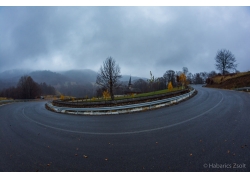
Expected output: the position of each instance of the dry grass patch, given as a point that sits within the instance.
(221, 79)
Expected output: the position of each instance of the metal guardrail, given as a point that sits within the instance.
(243, 89)
(64, 103)
(125, 107)
(6, 101)
(16, 100)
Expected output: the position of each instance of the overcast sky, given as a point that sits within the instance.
(140, 39)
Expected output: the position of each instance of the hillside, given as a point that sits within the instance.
(11, 77)
(230, 81)
(49, 77)
(78, 83)
(81, 76)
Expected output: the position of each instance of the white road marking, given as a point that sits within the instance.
(130, 132)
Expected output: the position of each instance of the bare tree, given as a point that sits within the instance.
(198, 79)
(161, 83)
(212, 74)
(109, 76)
(142, 85)
(151, 82)
(225, 61)
(185, 70)
(169, 76)
(28, 88)
(190, 77)
(204, 76)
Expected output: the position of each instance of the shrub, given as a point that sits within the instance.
(62, 97)
(170, 86)
(106, 95)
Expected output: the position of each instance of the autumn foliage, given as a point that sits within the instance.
(106, 95)
(62, 97)
(170, 86)
(183, 79)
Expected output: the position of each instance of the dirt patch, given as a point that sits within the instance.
(232, 83)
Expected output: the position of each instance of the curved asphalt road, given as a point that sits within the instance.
(209, 132)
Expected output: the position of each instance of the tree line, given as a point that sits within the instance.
(109, 75)
(27, 88)
(160, 83)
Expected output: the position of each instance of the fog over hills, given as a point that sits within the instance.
(80, 76)
(51, 78)
(78, 83)
(14, 73)
(10, 78)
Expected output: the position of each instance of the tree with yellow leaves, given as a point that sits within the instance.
(170, 86)
(182, 79)
(132, 95)
(62, 97)
(106, 94)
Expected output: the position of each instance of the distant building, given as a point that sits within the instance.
(130, 89)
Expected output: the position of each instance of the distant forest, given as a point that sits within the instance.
(28, 89)
(81, 83)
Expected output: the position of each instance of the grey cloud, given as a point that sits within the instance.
(139, 38)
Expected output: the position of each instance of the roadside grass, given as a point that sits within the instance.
(3, 98)
(53, 97)
(165, 91)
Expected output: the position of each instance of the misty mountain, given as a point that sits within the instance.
(77, 83)
(49, 77)
(14, 73)
(126, 78)
(81, 76)
(11, 77)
